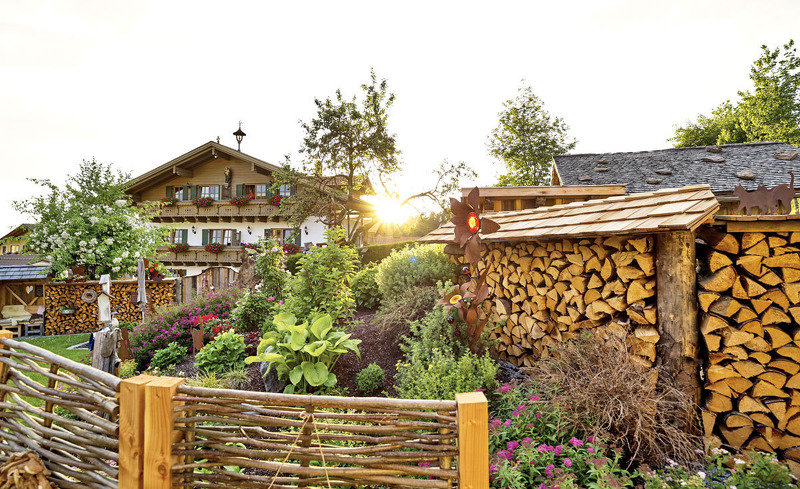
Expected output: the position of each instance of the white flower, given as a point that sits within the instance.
(94, 219)
(125, 254)
(82, 243)
(115, 269)
(701, 474)
(274, 249)
(117, 260)
(93, 241)
(64, 234)
(739, 461)
(121, 202)
(110, 241)
(136, 255)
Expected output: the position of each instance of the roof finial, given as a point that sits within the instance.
(239, 136)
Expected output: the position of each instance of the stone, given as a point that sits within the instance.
(787, 155)
(713, 159)
(745, 175)
(508, 372)
(654, 181)
(602, 162)
(584, 178)
(601, 169)
(271, 381)
(664, 171)
(713, 149)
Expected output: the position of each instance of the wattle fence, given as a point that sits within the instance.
(94, 430)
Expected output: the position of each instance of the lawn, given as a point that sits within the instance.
(57, 345)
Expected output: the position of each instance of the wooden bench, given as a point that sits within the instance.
(13, 318)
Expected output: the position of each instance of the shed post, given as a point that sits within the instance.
(677, 309)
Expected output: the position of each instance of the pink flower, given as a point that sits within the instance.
(512, 445)
(493, 468)
(533, 398)
(504, 388)
(557, 450)
(507, 423)
(495, 423)
(590, 450)
(527, 440)
(567, 462)
(549, 470)
(590, 439)
(538, 415)
(575, 442)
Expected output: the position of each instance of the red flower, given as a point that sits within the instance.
(468, 224)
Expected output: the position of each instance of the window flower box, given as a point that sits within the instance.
(179, 248)
(240, 201)
(214, 247)
(169, 201)
(203, 201)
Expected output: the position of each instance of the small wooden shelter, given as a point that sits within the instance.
(22, 297)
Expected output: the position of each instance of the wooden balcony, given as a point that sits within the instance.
(220, 211)
(198, 256)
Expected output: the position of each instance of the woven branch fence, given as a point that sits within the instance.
(68, 416)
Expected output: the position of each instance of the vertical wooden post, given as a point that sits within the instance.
(131, 432)
(473, 440)
(159, 433)
(677, 309)
(445, 462)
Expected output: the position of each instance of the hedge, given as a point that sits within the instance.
(376, 253)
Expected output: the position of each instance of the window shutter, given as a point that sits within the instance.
(185, 236)
(236, 237)
(293, 190)
(268, 233)
(269, 190)
(170, 194)
(297, 239)
(193, 192)
(186, 191)
(205, 237)
(239, 190)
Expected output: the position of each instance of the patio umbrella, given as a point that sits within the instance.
(141, 288)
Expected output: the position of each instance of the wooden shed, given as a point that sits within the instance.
(623, 266)
(22, 297)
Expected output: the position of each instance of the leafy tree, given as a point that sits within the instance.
(91, 223)
(770, 113)
(526, 139)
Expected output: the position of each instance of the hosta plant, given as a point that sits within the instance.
(304, 354)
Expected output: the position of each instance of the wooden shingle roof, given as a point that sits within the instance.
(643, 213)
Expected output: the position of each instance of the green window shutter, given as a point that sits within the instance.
(205, 237)
(297, 239)
(239, 190)
(268, 233)
(185, 236)
(193, 192)
(170, 194)
(269, 190)
(186, 191)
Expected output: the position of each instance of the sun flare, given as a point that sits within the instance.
(389, 209)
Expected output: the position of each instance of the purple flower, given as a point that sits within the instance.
(507, 423)
(543, 486)
(533, 398)
(542, 447)
(567, 462)
(495, 422)
(538, 415)
(527, 440)
(590, 439)
(557, 450)
(549, 470)
(575, 442)
(493, 468)
(504, 388)
(512, 445)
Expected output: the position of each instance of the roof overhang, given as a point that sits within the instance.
(548, 191)
(681, 209)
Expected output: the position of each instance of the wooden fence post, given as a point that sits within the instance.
(159, 433)
(473, 440)
(131, 432)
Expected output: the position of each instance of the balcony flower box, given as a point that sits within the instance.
(240, 201)
(179, 248)
(214, 247)
(169, 201)
(203, 202)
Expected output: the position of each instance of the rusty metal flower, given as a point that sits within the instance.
(469, 225)
(467, 299)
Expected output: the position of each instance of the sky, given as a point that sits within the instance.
(139, 83)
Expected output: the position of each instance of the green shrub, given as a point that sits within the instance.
(365, 289)
(269, 268)
(209, 380)
(370, 378)
(409, 305)
(173, 354)
(292, 263)
(225, 353)
(444, 376)
(304, 354)
(433, 333)
(236, 378)
(376, 253)
(254, 309)
(323, 285)
(127, 369)
(415, 266)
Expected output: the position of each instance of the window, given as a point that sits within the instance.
(221, 236)
(286, 190)
(178, 236)
(287, 235)
(261, 191)
(13, 249)
(178, 193)
(4, 249)
(210, 191)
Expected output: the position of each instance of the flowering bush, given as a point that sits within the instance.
(290, 248)
(252, 246)
(269, 268)
(179, 248)
(723, 471)
(238, 201)
(169, 201)
(214, 247)
(274, 200)
(531, 446)
(91, 223)
(203, 201)
(174, 324)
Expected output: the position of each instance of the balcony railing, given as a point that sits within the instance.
(198, 256)
(220, 211)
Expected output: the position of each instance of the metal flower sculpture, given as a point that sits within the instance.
(467, 300)
(469, 224)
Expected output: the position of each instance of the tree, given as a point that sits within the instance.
(770, 113)
(526, 139)
(91, 223)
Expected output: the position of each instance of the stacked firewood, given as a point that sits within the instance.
(66, 312)
(546, 292)
(749, 296)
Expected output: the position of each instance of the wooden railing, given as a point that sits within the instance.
(197, 255)
(172, 435)
(219, 211)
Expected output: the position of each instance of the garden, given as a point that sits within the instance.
(411, 324)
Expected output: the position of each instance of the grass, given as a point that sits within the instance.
(57, 345)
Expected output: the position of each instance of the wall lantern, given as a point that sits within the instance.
(249, 230)
(305, 228)
(194, 230)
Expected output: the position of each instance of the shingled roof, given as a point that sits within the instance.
(650, 212)
(721, 167)
(24, 272)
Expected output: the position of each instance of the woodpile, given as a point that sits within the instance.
(25, 471)
(66, 312)
(749, 301)
(550, 291)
